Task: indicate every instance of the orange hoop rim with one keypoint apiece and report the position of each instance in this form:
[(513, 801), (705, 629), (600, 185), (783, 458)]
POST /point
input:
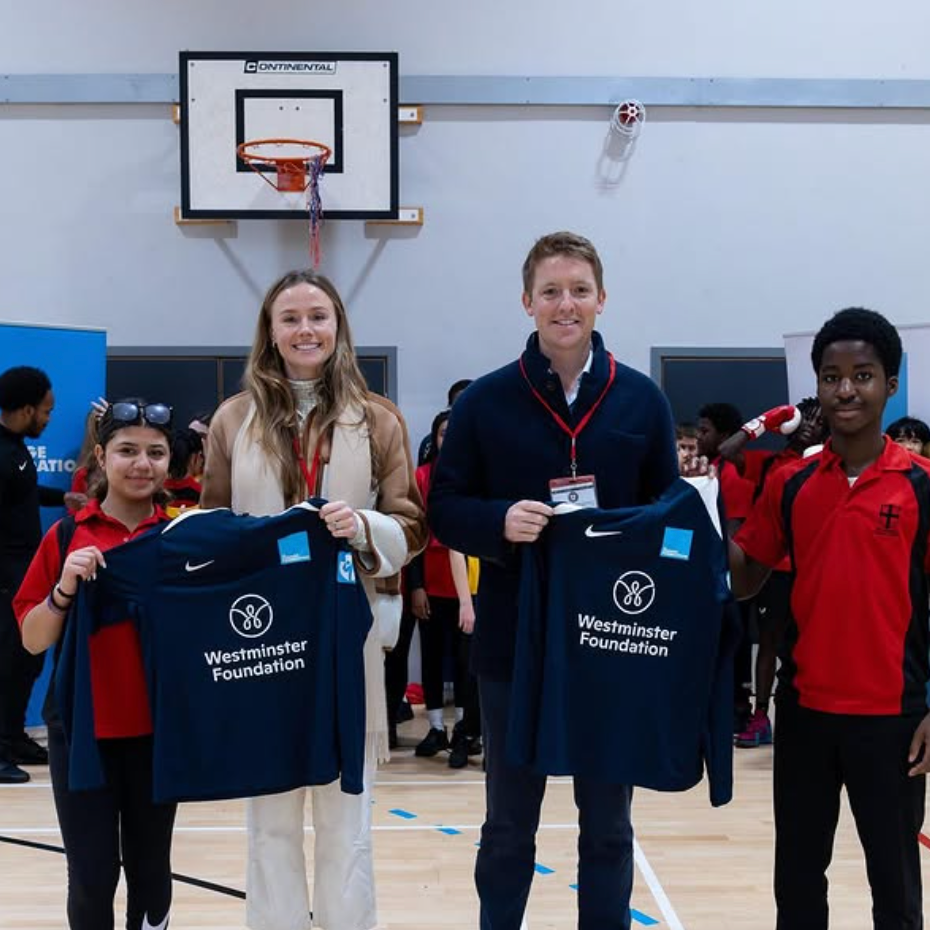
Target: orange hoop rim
[(323, 152)]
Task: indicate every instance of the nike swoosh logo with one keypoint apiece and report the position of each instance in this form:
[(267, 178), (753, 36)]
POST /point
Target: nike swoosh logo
[(147, 926), (196, 568), (23, 466), (593, 533)]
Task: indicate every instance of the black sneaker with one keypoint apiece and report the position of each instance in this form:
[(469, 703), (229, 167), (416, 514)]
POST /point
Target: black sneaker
[(475, 747), (434, 741), (404, 712), (24, 750), (11, 774), (458, 757)]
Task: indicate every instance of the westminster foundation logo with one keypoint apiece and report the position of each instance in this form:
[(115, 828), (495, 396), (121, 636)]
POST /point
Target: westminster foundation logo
[(634, 593), (251, 616)]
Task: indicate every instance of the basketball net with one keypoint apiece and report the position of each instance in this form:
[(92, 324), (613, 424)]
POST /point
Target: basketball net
[(315, 206), (298, 165)]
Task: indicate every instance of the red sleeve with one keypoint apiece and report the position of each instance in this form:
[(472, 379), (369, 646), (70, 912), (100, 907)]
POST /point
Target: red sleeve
[(762, 536), (737, 492), (754, 461), (423, 481), (43, 572)]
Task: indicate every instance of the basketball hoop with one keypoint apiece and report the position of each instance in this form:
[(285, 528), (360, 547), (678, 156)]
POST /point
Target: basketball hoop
[(298, 165)]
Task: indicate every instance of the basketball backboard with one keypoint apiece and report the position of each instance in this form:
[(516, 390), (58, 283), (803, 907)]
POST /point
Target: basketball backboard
[(345, 100)]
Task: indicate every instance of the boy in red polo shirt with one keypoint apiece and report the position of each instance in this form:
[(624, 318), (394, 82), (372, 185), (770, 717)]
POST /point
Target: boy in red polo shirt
[(852, 696)]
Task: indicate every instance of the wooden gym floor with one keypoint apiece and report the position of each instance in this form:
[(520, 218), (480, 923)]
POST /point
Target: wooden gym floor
[(697, 868)]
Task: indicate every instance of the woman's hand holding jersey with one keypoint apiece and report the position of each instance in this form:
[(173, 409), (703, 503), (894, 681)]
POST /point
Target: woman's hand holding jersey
[(340, 519)]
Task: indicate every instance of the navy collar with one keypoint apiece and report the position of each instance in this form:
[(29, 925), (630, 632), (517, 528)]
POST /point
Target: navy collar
[(548, 384)]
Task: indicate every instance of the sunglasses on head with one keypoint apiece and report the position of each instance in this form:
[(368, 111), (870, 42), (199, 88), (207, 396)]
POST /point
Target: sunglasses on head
[(153, 414)]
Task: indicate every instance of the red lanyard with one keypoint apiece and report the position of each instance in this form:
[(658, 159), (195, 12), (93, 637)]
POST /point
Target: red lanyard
[(309, 476), (576, 432)]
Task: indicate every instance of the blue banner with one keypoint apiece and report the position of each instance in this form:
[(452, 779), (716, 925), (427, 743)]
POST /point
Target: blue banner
[(76, 361)]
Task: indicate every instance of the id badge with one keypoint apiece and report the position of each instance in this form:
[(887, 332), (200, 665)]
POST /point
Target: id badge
[(580, 491)]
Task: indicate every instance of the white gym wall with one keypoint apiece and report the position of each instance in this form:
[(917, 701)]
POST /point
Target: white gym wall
[(730, 227)]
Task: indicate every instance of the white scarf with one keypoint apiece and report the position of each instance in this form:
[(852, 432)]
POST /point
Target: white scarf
[(256, 489)]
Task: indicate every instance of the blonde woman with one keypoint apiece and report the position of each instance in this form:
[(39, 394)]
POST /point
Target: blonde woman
[(306, 425)]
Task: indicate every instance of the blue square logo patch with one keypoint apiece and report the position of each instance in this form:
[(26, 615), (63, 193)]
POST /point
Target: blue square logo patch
[(676, 544), (345, 568), (294, 548)]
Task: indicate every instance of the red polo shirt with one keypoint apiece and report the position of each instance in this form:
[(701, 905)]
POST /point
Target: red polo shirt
[(762, 468), (117, 675), (437, 569), (860, 597), (735, 490)]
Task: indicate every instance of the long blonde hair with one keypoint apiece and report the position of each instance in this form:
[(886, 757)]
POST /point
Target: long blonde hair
[(342, 384)]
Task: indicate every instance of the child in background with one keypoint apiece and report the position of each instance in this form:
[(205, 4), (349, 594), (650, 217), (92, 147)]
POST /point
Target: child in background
[(911, 433), (773, 602), (86, 460), (717, 422), (184, 471), (442, 603), (686, 443)]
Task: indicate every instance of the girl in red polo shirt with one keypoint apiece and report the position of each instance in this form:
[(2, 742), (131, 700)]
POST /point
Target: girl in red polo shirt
[(118, 824), (443, 605)]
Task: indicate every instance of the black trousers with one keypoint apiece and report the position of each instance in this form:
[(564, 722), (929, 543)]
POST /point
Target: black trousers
[(442, 628), (816, 755), (18, 670), (116, 825), (395, 667), (507, 854), (742, 665)]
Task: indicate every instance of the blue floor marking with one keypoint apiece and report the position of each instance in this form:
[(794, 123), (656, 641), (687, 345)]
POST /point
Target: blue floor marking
[(642, 918), (638, 916), (543, 869), (449, 831), (397, 812)]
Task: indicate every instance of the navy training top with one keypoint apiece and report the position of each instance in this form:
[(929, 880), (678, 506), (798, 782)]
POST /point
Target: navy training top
[(252, 632), (624, 670)]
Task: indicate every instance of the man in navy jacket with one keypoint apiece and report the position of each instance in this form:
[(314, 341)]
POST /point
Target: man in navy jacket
[(564, 410)]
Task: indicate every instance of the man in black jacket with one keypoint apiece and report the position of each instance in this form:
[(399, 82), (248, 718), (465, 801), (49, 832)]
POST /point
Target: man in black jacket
[(564, 421), (26, 403)]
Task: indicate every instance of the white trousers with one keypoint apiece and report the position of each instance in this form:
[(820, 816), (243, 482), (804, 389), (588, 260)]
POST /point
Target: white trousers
[(344, 878)]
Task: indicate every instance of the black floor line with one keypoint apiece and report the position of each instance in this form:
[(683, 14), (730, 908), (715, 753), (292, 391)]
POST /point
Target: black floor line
[(184, 879)]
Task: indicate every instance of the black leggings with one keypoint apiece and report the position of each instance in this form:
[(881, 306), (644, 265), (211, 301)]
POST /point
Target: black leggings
[(113, 826), (395, 667), (442, 626)]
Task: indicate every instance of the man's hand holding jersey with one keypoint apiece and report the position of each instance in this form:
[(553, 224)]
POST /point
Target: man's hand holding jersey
[(525, 520)]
